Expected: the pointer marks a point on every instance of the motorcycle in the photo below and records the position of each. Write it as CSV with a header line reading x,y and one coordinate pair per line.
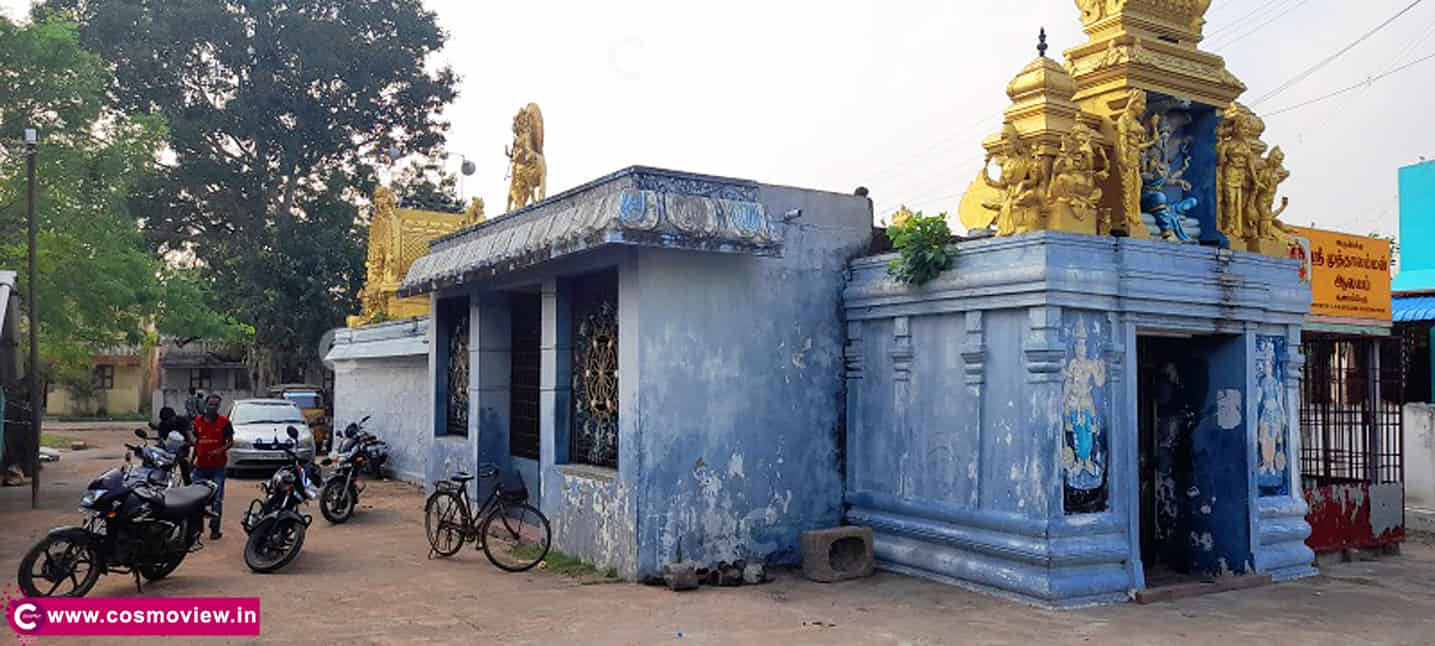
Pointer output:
x,y
358,452
135,523
275,527
159,464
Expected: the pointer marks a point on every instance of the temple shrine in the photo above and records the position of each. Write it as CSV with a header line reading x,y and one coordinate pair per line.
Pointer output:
x,y
1097,397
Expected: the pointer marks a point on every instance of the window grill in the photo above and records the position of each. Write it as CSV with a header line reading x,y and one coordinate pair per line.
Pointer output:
x,y
1350,411
456,315
595,371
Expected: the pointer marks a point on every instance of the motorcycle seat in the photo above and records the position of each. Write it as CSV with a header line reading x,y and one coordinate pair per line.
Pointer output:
x,y
184,501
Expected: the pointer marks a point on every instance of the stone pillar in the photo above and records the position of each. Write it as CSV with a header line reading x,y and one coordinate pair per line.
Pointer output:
x,y
490,373
555,380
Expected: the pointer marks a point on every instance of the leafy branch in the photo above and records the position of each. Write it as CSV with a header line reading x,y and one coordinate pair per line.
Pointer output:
x,y
923,243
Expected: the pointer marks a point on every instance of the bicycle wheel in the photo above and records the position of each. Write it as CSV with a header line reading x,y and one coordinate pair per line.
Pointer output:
x,y
515,537
445,522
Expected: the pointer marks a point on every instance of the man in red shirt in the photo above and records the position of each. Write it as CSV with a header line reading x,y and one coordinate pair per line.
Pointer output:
x,y
214,436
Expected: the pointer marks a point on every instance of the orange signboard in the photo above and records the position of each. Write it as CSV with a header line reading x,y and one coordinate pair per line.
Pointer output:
x,y
1349,274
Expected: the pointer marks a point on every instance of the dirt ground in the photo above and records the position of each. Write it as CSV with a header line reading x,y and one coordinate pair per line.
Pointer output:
x,y
369,582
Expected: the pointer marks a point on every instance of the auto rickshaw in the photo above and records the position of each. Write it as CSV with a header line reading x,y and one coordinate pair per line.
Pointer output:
x,y
310,400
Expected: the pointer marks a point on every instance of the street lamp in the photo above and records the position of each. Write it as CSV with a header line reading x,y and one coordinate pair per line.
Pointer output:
x,y
32,142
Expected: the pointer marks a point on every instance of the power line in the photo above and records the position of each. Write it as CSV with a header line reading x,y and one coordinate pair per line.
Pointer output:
x,y
1357,86
1227,26
1231,41
1329,59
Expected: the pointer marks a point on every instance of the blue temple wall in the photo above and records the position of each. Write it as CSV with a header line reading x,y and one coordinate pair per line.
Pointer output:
x,y
729,392
992,429
739,402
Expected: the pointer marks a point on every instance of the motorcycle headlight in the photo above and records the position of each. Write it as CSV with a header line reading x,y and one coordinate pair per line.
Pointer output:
x,y
92,496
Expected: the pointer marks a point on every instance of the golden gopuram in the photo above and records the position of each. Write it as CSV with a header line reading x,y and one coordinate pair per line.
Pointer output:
x,y
397,237
1138,133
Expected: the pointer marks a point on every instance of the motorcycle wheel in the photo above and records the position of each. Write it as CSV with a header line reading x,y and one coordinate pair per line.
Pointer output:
x,y
162,570
336,504
157,572
55,560
273,544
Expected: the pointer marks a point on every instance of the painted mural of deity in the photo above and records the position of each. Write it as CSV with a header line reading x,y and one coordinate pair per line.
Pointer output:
x,y
1271,422
1083,454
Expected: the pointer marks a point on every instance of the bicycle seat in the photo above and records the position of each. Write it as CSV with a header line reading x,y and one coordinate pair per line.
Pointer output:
x,y
487,470
461,476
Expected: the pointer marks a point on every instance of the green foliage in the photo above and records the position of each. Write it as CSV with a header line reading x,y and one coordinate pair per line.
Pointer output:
x,y
424,184
279,114
100,285
923,243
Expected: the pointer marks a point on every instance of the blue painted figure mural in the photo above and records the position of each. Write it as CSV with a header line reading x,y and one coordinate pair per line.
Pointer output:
x,y
1271,422
1083,456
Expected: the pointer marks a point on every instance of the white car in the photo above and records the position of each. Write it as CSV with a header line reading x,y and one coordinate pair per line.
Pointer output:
x,y
266,422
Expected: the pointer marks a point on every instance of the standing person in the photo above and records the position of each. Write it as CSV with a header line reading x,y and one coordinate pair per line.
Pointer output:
x,y
169,422
194,406
214,436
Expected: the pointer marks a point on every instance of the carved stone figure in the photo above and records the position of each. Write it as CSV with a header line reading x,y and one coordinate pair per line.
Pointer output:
x,y
1132,141
527,168
1076,175
1021,183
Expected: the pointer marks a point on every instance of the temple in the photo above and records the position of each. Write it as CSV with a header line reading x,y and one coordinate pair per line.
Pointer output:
x,y
1097,397
398,237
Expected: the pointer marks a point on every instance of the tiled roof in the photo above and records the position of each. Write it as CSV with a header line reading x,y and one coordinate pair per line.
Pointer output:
x,y
635,206
1410,309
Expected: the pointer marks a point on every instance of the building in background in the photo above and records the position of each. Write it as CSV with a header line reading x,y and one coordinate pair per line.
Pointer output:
x,y
1352,389
199,364
1414,316
119,386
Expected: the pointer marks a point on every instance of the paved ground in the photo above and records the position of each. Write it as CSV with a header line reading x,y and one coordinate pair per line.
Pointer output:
x,y
369,582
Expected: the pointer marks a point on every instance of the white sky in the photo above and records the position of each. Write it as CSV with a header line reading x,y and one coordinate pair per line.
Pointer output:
x,y
896,95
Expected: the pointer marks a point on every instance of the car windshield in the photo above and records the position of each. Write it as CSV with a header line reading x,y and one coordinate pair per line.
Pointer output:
x,y
304,400
266,413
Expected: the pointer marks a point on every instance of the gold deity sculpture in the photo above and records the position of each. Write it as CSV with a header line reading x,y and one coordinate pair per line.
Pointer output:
x,y
1103,144
1132,141
527,169
1075,191
474,213
1022,185
398,237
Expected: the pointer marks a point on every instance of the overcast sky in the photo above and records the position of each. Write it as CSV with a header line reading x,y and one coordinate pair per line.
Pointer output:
x,y
896,96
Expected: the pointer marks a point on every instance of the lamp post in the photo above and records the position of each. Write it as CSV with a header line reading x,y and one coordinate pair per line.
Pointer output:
x,y
32,141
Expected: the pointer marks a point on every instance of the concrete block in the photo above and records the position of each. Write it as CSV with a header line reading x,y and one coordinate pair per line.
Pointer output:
x,y
837,554
681,576
78,445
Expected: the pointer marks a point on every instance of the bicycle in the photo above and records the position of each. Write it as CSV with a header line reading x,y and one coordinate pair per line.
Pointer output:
x,y
513,534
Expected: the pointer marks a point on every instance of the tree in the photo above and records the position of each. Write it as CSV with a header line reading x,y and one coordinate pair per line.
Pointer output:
x,y
278,113
100,286
424,184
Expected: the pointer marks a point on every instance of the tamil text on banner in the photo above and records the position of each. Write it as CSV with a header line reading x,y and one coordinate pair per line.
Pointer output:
x,y
1349,274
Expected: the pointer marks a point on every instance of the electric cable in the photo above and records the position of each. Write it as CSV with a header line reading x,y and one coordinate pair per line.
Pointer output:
x,y
1330,59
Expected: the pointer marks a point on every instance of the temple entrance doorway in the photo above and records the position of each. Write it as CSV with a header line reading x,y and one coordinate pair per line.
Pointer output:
x,y
1195,493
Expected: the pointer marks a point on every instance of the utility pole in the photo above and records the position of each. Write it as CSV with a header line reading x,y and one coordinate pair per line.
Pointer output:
x,y
37,398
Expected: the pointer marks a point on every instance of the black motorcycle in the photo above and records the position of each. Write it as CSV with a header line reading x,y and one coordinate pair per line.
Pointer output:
x,y
135,523
358,452
276,528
